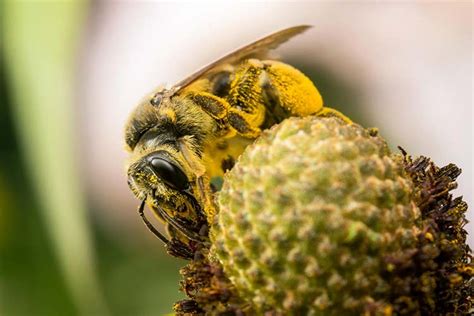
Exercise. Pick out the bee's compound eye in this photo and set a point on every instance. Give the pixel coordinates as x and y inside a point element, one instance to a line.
<point>169,173</point>
<point>156,100</point>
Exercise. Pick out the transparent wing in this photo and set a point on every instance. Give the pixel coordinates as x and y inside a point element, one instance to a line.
<point>260,46</point>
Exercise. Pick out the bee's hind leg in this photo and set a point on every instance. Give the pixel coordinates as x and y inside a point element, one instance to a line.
<point>247,103</point>
<point>329,112</point>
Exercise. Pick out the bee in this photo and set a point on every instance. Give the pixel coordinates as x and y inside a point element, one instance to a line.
<point>181,138</point>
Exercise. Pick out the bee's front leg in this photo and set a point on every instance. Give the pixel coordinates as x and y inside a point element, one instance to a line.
<point>179,249</point>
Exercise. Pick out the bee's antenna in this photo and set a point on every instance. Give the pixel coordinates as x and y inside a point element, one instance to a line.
<point>151,228</point>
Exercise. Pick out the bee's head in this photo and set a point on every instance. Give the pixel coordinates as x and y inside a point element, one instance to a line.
<point>159,172</point>
<point>150,136</point>
<point>164,182</point>
<point>165,138</point>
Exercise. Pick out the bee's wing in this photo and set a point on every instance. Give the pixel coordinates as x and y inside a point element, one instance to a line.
<point>260,46</point>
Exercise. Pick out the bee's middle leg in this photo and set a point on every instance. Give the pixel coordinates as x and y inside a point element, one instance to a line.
<point>213,105</point>
<point>220,109</point>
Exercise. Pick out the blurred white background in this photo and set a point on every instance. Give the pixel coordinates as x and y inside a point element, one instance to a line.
<point>408,67</point>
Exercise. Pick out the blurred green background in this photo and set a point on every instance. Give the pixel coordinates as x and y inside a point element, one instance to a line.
<point>71,242</point>
<point>55,260</point>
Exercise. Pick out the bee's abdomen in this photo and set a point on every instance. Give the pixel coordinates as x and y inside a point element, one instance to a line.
<point>296,93</point>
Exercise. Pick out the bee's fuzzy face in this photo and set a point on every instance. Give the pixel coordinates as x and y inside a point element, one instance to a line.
<point>161,180</point>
